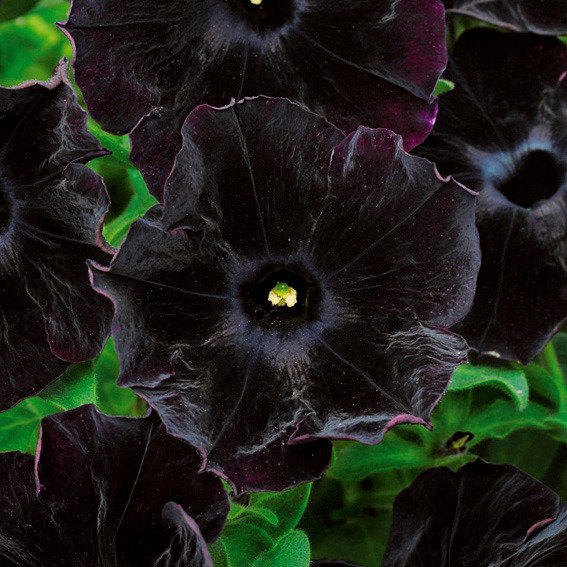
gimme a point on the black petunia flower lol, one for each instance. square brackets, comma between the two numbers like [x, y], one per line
[503, 132]
[51, 211]
[108, 491]
[148, 63]
[297, 288]
[486, 515]
[546, 17]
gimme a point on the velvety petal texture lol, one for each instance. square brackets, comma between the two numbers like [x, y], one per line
[51, 211]
[297, 287]
[147, 64]
[546, 548]
[479, 516]
[108, 491]
[502, 132]
[546, 17]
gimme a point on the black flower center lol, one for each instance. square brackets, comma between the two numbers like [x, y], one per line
[538, 176]
[281, 297]
[264, 15]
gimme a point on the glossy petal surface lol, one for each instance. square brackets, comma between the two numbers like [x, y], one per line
[386, 250]
[477, 516]
[148, 64]
[51, 211]
[101, 495]
[546, 17]
[502, 133]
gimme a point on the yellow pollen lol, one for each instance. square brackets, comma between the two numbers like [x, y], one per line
[282, 294]
[256, 2]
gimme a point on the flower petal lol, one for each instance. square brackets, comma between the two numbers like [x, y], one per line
[148, 64]
[51, 212]
[501, 131]
[547, 17]
[101, 494]
[475, 516]
[262, 187]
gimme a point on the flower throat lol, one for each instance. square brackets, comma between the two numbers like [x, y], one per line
[538, 176]
[280, 298]
[264, 15]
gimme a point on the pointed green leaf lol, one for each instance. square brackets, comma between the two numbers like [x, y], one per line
[443, 86]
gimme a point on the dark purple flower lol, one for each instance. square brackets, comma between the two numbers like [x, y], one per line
[51, 211]
[503, 132]
[546, 17]
[483, 515]
[297, 288]
[148, 63]
[108, 491]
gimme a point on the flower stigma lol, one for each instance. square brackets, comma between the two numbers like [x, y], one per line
[282, 294]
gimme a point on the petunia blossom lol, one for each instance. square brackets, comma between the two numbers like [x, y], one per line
[297, 287]
[484, 514]
[108, 491]
[51, 211]
[502, 132]
[546, 17]
[145, 64]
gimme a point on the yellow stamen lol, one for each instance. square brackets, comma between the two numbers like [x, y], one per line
[256, 2]
[282, 294]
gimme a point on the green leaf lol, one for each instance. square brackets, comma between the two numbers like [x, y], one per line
[10, 9]
[19, 426]
[355, 461]
[75, 388]
[218, 554]
[31, 45]
[141, 201]
[553, 358]
[292, 550]
[266, 519]
[286, 508]
[109, 397]
[118, 145]
[443, 86]
[499, 419]
[499, 374]
[541, 382]
[243, 542]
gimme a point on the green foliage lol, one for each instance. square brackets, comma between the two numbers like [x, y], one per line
[501, 375]
[31, 45]
[10, 9]
[262, 531]
[92, 382]
[443, 86]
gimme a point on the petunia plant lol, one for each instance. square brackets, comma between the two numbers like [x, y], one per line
[283, 283]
